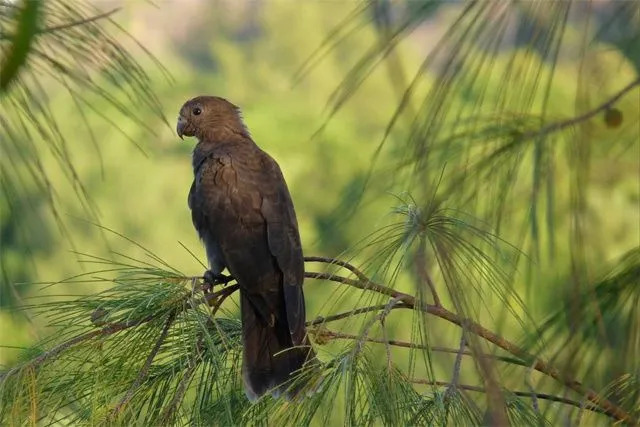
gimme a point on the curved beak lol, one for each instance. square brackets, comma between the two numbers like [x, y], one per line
[182, 123]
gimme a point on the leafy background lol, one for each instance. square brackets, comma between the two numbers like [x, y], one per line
[386, 153]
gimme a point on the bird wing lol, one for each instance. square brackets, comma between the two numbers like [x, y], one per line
[284, 244]
[241, 197]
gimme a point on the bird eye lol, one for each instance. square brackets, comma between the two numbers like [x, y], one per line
[197, 111]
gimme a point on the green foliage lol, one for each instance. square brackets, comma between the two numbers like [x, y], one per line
[491, 120]
[56, 50]
[26, 20]
[600, 323]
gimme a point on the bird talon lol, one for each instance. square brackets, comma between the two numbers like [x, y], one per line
[211, 279]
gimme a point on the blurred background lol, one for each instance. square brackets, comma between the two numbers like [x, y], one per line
[347, 97]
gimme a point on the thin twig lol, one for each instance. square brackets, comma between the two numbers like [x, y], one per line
[78, 23]
[458, 362]
[145, 368]
[333, 261]
[326, 319]
[387, 346]
[217, 298]
[543, 396]
[360, 284]
[380, 317]
[326, 334]
[554, 127]
[532, 391]
[423, 274]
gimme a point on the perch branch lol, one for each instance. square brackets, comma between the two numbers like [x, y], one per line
[216, 299]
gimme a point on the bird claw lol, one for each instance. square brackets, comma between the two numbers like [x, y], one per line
[211, 279]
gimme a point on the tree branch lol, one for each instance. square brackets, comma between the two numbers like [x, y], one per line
[78, 23]
[458, 363]
[400, 300]
[324, 334]
[539, 365]
[334, 261]
[360, 284]
[423, 274]
[554, 127]
[326, 319]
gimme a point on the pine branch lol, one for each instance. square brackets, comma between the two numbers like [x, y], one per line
[334, 261]
[216, 299]
[326, 319]
[458, 363]
[399, 300]
[557, 126]
[78, 23]
[323, 334]
[409, 301]
[367, 285]
[423, 274]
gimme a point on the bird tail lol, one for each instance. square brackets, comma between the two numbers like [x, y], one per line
[269, 358]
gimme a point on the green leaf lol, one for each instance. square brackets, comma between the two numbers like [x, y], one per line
[21, 43]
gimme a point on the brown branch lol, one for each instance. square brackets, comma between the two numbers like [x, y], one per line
[360, 284]
[554, 127]
[333, 261]
[458, 363]
[217, 298]
[543, 396]
[325, 319]
[78, 23]
[145, 368]
[539, 365]
[326, 334]
[423, 274]
[380, 317]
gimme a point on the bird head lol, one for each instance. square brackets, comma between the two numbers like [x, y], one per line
[208, 118]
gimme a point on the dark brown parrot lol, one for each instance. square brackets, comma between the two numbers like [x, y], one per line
[242, 210]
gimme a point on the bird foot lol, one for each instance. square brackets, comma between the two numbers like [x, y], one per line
[211, 279]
